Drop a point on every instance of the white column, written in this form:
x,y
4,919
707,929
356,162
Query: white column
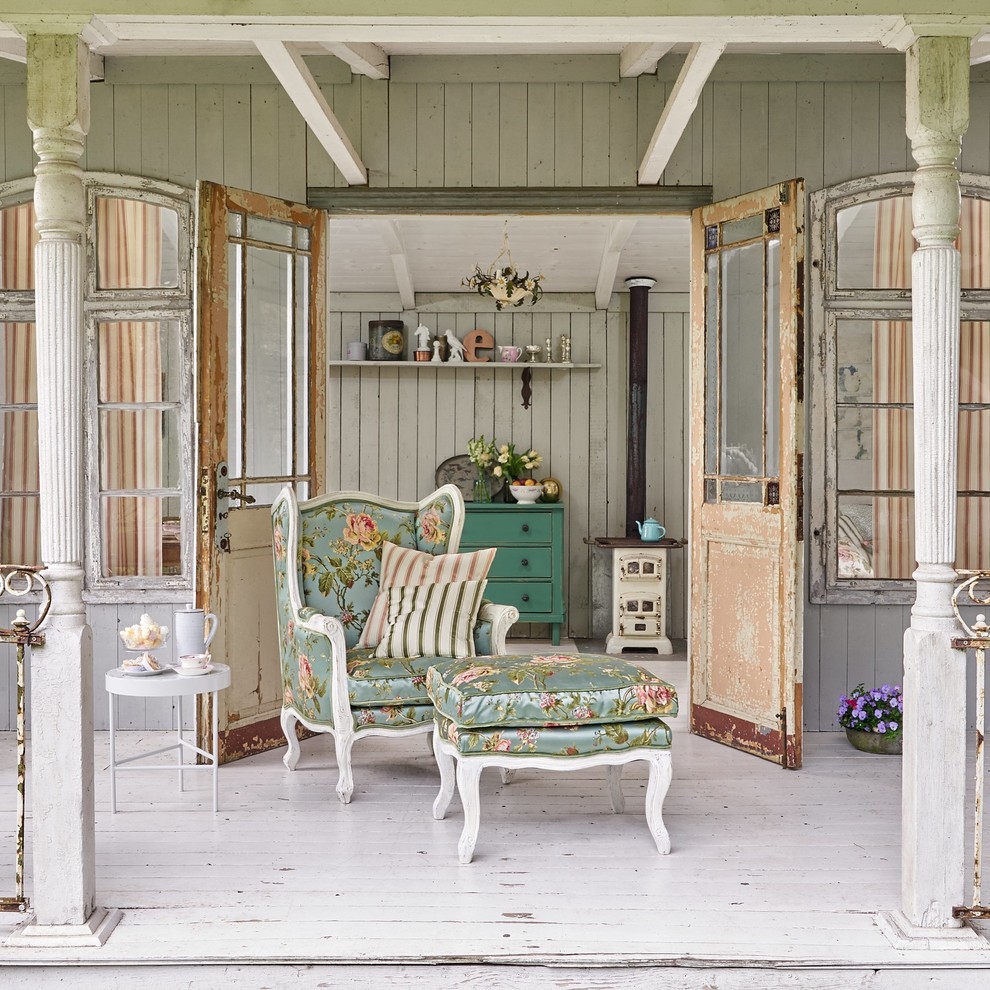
x,y
934,782
63,826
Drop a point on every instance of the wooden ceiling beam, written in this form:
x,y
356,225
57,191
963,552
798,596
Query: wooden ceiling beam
x,y
619,232
400,261
364,59
296,79
678,110
641,58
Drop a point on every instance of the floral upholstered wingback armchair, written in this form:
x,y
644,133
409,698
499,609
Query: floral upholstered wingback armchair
x,y
328,555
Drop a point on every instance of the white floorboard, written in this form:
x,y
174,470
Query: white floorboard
x,y
769,870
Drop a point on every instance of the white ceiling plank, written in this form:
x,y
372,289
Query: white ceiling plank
x,y
641,58
364,59
979,50
677,112
618,234
400,262
296,79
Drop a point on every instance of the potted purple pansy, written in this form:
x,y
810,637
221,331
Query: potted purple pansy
x,y
874,719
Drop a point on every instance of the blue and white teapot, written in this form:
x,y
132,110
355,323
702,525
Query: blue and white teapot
x,y
651,531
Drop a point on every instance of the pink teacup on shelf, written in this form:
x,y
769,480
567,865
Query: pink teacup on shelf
x,y
509,353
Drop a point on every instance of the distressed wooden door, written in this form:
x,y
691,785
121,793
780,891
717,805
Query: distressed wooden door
x,y
261,410
747,581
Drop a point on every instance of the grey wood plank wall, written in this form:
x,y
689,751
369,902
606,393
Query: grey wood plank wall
x,y
759,120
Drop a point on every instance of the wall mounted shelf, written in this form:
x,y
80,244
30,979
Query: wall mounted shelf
x,y
526,367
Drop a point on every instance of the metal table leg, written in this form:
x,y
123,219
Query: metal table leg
x,y
113,754
178,730
216,747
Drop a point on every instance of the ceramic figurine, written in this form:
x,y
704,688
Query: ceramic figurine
x,y
436,359
456,348
422,338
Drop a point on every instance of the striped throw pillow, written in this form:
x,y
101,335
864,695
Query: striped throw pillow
x,y
403,566
431,620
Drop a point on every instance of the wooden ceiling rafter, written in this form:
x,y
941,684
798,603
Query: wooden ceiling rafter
x,y
642,57
292,72
678,110
365,59
400,261
619,233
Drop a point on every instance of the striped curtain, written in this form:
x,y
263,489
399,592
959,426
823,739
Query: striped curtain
x,y
19,520
893,531
893,448
973,519
129,255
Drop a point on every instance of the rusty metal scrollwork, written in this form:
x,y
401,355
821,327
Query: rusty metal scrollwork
x,y
19,580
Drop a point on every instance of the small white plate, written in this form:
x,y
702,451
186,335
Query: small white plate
x,y
193,671
141,671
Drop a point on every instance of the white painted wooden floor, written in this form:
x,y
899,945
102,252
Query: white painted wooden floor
x,y
769,870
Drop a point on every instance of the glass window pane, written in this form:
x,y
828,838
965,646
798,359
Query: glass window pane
x,y
302,238
18,376
137,244
140,361
773,360
875,449
17,240
875,537
974,222
974,362
711,490
745,229
139,448
742,491
19,451
972,533
974,453
267,373
265,494
235,370
270,231
742,376
235,224
711,365
20,530
301,376
136,540
875,245
873,361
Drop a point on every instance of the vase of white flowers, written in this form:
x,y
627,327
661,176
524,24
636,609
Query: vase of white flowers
x,y
482,453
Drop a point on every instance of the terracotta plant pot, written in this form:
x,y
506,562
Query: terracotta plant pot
x,y
886,743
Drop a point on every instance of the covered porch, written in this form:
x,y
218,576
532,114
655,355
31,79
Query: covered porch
x,y
774,878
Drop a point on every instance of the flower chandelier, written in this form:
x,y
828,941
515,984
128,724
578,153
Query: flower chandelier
x,y
503,281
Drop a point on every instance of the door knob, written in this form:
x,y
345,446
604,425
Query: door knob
x,y
525,598
246,499
524,562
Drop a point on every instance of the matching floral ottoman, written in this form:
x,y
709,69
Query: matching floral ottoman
x,y
552,712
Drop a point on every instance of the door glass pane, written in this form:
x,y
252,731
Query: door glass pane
x,y
235,370
972,533
873,361
875,537
137,244
139,361
772,412
855,536
20,530
18,378
300,421
734,231
139,449
17,240
269,231
974,362
742,337
138,535
711,365
267,372
742,491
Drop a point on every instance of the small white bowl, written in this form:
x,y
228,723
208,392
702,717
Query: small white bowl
x,y
526,494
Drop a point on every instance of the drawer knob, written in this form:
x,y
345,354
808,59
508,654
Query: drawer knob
x,y
525,528
524,562
525,598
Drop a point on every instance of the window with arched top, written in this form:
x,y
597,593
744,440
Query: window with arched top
x,y
138,388
861,375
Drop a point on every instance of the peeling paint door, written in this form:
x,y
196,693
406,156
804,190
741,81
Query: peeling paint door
x,y
261,400
746,464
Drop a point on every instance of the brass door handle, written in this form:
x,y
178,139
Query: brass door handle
x,y
246,499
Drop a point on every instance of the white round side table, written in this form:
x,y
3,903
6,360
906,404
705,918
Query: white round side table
x,y
166,685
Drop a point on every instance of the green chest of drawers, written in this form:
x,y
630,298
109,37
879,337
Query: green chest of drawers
x,y
529,567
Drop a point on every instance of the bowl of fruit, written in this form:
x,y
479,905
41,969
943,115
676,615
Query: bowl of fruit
x,y
526,492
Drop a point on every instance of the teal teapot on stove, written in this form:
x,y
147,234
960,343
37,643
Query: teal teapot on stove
x,y
650,531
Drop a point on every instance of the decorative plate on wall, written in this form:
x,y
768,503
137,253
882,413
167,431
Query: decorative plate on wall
x,y
458,470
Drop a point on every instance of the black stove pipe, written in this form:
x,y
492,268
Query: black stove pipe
x,y
639,319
